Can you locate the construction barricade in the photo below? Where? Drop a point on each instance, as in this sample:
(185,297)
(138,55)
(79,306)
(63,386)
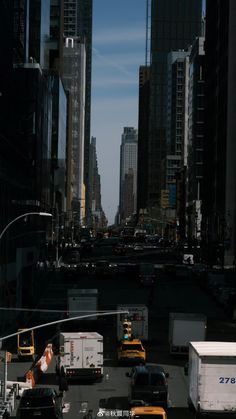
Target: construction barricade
(40,366)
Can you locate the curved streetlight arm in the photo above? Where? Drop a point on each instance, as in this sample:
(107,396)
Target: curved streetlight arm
(45,214)
(108,313)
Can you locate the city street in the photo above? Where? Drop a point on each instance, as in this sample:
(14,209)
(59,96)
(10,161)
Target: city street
(169,294)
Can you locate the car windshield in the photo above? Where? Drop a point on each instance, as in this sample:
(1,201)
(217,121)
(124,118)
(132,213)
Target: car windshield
(130,347)
(142,379)
(157,380)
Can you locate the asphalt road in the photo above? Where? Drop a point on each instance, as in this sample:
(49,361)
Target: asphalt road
(169,294)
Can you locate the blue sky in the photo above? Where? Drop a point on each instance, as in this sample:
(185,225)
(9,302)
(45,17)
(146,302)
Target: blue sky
(119,33)
(119,30)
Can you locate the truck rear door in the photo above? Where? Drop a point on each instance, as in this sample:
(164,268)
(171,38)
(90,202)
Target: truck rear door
(73,351)
(92,353)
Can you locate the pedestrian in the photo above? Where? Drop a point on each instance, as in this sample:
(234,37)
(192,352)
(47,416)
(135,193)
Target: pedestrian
(63,385)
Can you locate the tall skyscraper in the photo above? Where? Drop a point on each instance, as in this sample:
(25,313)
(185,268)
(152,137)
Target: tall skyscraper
(196,139)
(219,198)
(97,213)
(128,173)
(142,175)
(32,134)
(78,23)
(74,62)
(174,26)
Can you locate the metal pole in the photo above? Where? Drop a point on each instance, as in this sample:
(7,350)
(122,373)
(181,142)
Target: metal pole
(57,233)
(5,378)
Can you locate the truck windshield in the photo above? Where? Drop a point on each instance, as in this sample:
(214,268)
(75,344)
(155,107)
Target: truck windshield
(25,339)
(132,347)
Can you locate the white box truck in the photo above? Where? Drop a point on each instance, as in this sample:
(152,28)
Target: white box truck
(183,328)
(81,302)
(212,377)
(138,315)
(81,355)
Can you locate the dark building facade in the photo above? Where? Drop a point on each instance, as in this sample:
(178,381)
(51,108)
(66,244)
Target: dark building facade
(29,100)
(196,139)
(174,26)
(25,102)
(142,175)
(219,195)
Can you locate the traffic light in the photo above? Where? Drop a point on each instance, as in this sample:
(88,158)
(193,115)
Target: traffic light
(127,330)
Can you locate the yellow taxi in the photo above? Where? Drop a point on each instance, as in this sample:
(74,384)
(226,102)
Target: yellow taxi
(148,412)
(131,352)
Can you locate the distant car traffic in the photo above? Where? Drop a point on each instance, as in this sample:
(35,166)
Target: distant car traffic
(103,268)
(70,259)
(86,246)
(138,248)
(119,249)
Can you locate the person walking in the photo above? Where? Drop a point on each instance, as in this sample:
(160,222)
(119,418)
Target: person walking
(63,385)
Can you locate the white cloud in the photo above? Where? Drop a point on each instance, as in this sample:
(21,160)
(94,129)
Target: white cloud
(130,58)
(108,82)
(113,61)
(119,35)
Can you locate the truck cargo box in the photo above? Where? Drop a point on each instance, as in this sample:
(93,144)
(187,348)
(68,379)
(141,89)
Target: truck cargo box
(183,328)
(81,354)
(212,377)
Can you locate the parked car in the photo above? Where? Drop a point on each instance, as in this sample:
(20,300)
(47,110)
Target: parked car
(40,402)
(148,383)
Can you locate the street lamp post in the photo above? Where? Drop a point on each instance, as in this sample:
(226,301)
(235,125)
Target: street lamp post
(42,214)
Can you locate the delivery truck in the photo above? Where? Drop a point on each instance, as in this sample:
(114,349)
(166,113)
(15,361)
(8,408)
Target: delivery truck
(81,355)
(81,302)
(212,378)
(183,328)
(138,315)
